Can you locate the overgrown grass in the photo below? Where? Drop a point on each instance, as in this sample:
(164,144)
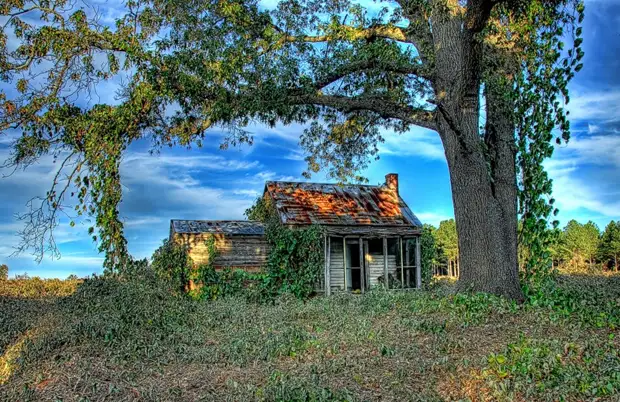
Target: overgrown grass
(134,340)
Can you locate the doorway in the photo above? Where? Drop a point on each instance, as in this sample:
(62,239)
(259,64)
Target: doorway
(356,272)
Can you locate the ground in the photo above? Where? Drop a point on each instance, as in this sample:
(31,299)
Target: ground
(133,340)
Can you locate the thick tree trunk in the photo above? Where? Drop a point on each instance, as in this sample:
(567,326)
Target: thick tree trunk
(483,186)
(486,228)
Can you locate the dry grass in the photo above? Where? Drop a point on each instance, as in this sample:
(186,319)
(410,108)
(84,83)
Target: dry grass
(134,341)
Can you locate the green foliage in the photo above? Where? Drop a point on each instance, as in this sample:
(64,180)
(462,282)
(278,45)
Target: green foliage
(539,94)
(172,262)
(429,253)
(37,287)
(582,240)
(447,239)
(228,282)
(4,272)
(583,368)
(261,210)
(296,258)
(609,247)
(447,243)
(118,337)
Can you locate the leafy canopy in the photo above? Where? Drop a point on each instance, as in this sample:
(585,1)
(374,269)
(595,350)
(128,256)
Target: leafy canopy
(193,65)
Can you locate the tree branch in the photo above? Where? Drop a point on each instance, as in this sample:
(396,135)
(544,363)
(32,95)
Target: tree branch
(361,65)
(381,106)
(351,33)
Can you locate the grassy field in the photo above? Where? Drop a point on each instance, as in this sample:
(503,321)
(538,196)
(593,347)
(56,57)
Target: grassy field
(111,340)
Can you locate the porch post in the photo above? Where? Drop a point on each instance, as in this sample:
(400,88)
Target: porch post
(418,263)
(402,273)
(344,262)
(328,254)
(362,266)
(386,281)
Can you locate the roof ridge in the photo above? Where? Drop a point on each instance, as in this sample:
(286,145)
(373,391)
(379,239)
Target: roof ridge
(325,184)
(217,220)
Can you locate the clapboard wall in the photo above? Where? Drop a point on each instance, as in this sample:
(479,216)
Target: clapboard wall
(336,264)
(376,267)
(234,251)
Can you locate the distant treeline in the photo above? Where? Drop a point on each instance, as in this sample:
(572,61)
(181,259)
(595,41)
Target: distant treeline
(577,247)
(580,246)
(446,248)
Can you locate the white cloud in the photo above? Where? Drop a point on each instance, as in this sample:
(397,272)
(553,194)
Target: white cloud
(585,175)
(417,142)
(246,193)
(595,105)
(144,221)
(433,217)
(573,194)
(203,162)
(593,129)
(602,150)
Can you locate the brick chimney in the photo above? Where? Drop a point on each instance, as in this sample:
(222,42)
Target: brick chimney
(391,181)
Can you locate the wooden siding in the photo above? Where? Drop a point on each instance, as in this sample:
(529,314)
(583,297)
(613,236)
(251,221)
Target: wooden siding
(245,252)
(375,263)
(336,270)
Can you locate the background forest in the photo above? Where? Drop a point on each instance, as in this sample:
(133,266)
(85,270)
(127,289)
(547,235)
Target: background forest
(577,248)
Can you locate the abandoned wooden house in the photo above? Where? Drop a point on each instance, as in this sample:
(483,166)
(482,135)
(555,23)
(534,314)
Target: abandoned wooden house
(371,236)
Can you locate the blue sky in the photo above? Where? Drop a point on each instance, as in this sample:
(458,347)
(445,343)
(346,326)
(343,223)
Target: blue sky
(209,183)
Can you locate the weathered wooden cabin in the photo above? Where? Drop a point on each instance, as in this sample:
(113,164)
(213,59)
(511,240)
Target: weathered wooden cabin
(371,236)
(239,244)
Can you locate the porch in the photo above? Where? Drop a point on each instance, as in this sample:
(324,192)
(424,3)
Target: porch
(356,263)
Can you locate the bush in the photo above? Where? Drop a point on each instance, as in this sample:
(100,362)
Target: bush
(228,282)
(172,263)
(296,260)
(4,272)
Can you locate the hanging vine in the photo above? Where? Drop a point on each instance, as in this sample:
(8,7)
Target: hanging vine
(296,258)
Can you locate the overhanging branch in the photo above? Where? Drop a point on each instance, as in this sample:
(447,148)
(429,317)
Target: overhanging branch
(351,33)
(384,108)
(370,64)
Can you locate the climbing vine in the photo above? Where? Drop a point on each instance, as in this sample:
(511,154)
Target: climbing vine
(530,90)
(296,258)
(172,263)
(541,97)
(428,249)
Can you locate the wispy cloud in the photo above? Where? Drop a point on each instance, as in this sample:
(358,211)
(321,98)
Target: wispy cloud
(203,162)
(586,176)
(433,217)
(595,105)
(418,142)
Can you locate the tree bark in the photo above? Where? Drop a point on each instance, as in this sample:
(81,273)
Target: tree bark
(486,228)
(484,193)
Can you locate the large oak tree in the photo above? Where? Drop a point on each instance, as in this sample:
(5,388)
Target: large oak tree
(489,76)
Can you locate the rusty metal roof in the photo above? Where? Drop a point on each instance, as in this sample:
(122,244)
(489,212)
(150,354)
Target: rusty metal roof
(332,204)
(224,227)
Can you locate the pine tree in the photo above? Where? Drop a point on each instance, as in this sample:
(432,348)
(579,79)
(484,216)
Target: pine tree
(609,247)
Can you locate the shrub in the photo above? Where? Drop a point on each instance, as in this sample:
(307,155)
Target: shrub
(4,272)
(228,282)
(172,263)
(295,260)
(428,249)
